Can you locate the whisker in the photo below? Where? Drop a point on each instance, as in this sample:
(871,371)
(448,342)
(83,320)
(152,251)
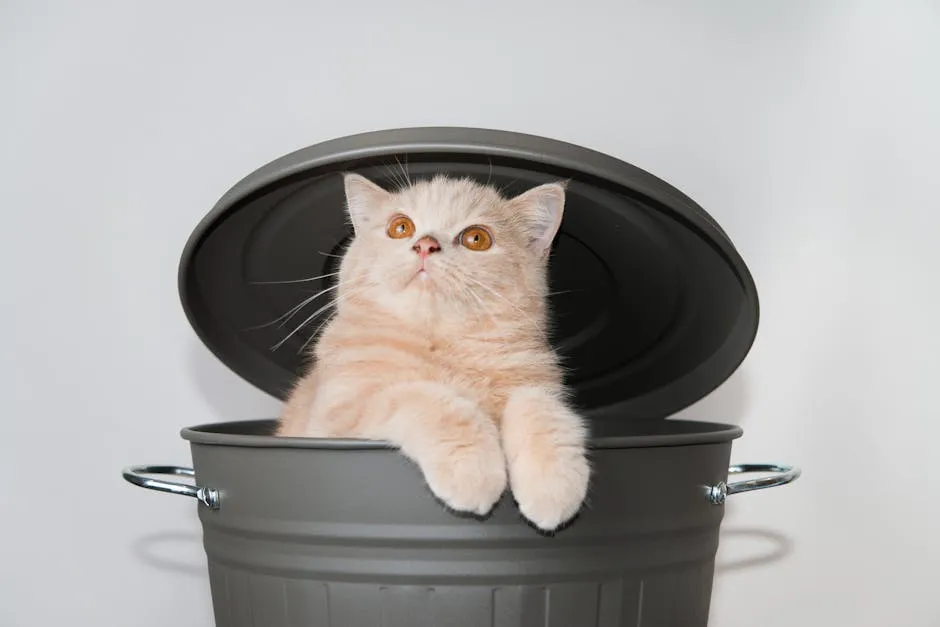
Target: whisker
(313,316)
(391,174)
(509,302)
(404,171)
(461,283)
(503,188)
(302,325)
(463,276)
(307,280)
(486,310)
(316,332)
(400,183)
(290,314)
(293,310)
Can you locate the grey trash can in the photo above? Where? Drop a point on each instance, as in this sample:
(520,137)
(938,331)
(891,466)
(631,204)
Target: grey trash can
(344,533)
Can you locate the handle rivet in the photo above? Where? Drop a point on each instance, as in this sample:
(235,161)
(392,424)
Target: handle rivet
(718,493)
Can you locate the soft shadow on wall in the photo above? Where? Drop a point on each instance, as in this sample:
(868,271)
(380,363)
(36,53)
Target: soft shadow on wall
(771,546)
(175,552)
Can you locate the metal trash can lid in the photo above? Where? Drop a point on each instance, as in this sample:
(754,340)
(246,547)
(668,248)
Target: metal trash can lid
(653,307)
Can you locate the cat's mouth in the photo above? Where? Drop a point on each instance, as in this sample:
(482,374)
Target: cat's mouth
(422,272)
(421,276)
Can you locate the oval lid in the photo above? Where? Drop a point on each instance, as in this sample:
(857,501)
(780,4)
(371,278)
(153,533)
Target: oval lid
(653,308)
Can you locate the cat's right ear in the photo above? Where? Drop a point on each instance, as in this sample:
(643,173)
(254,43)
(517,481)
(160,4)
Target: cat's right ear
(542,207)
(363,198)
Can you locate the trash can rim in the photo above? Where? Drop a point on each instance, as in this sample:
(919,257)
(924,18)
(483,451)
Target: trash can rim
(612,435)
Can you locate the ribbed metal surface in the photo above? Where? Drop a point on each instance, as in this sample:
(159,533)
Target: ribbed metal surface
(244,599)
(352,538)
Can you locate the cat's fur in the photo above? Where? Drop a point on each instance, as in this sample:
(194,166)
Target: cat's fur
(453,367)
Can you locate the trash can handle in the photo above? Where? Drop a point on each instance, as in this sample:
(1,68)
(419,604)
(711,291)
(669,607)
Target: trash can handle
(784,475)
(209,497)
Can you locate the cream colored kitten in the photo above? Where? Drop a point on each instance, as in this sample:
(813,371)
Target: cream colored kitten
(439,346)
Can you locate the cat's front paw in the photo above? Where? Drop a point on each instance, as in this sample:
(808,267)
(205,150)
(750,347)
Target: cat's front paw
(453,441)
(469,478)
(550,485)
(545,445)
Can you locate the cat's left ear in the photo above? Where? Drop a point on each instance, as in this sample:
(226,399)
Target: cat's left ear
(542,207)
(363,198)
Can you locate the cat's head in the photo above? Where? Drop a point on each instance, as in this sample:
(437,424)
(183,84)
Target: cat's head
(453,245)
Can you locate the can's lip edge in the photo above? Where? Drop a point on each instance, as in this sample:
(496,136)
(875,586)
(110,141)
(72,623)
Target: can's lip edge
(695,432)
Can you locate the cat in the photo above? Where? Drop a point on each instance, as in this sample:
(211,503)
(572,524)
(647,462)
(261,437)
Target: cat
(439,346)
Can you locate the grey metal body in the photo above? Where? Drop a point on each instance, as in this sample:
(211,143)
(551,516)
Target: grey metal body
(344,533)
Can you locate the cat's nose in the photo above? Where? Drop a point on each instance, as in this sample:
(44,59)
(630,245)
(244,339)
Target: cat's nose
(425,246)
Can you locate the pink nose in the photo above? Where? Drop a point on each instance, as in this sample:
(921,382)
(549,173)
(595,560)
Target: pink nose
(425,246)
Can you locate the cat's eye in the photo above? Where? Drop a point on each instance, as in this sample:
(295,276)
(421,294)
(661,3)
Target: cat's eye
(476,238)
(400,227)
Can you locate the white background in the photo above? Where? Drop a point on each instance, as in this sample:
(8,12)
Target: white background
(808,128)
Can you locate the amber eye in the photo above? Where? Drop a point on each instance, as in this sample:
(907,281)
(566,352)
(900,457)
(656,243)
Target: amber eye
(476,238)
(400,227)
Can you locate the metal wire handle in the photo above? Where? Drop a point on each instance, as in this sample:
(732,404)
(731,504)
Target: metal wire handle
(210,497)
(717,494)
